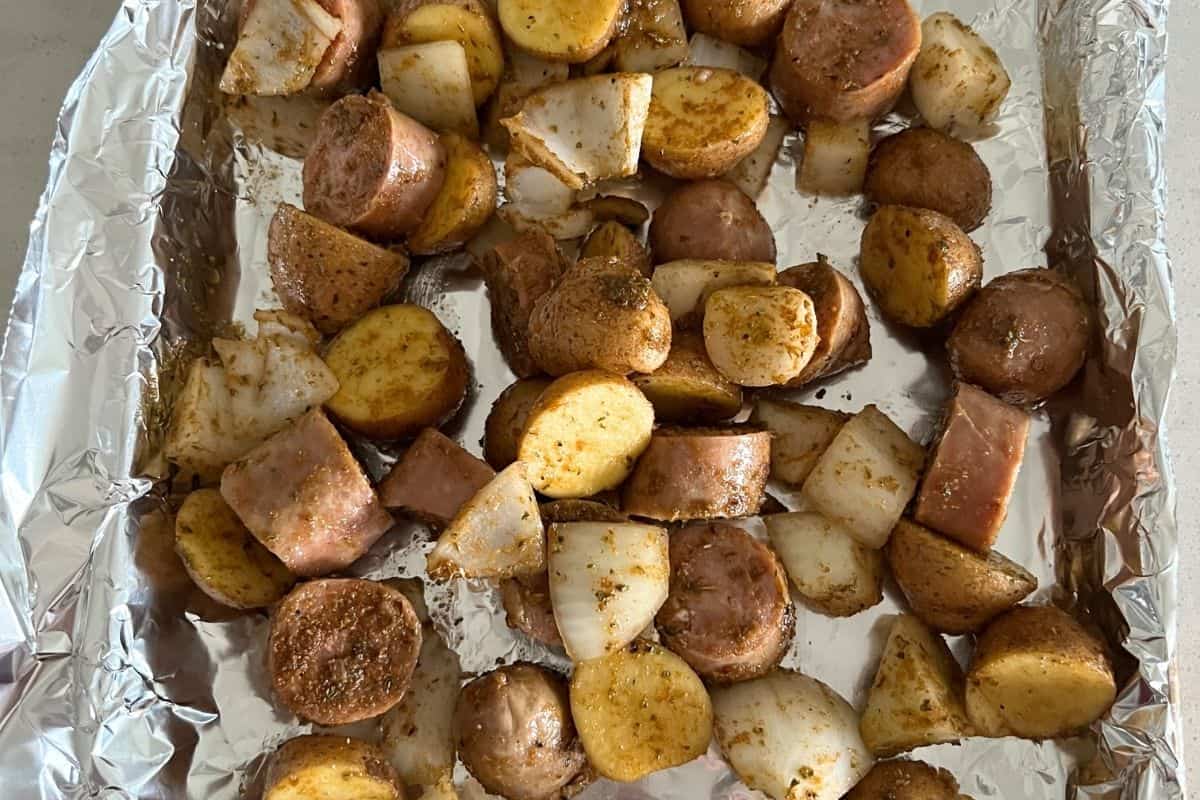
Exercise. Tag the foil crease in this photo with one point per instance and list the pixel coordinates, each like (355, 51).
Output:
(120, 680)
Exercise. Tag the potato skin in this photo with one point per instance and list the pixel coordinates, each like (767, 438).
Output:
(611, 239)
(952, 588)
(924, 168)
(905, 780)
(357, 759)
(515, 734)
(842, 324)
(710, 219)
(465, 202)
(742, 22)
(918, 265)
(602, 314)
(1023, 337)
(687, 387)
(506, 420)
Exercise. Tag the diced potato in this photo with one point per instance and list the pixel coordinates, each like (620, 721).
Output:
(703, 120)
(279, 48)
(1038, 674)
(400, 371)
(866, 476)
(613, 240)
(790, 736)
(639, 710)
(584, 130)
(506, 420)
(760, 335)
(654, 37)
(431, 83)
(330, 768)
(560, 31)
(752, 172)
(496, 534)
(467, 22)
(957, 81)
(687, 387)
(836, 574)
(607, 581)
(835, 157)
(917, 696)
(799, 433)
(584, 434)
(707, 51)
(465, 202)
(686, 285)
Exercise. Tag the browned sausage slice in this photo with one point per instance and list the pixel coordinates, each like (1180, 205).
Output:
(728, 613)
(434, 478)
(842, 324)
(974, 468)
(699, 473)
(372, 168)
(341, 650)
(302, 494)
(844, 59)
(518, 273)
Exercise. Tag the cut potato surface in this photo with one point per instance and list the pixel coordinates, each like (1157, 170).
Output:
(607, 581)
(639, 710)
(584, 434)
(560, 31)
(799, 433)
(496, 534)
(702, 121)
(685, 285)
(223, 558)
(835, 157)
(687, 387)
(831, 570)
(330, 768)
(866, 476)
(917, 696)
(400, 371)
(612, 239)
(906, 780)
(465, 202)
(467, 22)
(430, 82)
(957, 81)
(1038, 674)
(760, 335)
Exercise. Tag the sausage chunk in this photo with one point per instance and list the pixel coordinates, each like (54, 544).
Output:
(341, 650)
(302, 494)
(371, 168)
(974, 468)
(710, 219)
(699, 473)
(843, 61)
(1023, 337)
(728, 612)
(515, 734)
(842, 324)
(434, 478)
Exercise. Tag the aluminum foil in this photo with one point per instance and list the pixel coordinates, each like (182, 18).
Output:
(120, 680)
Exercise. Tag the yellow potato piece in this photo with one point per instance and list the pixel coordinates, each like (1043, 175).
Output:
(560, 30)
(330, 768)
(465, 202)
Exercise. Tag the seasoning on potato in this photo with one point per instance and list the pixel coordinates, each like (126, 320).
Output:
(918, 265)
(685, 285)
(906, 780)
(557, 30)
(330, 766)
(710, 219)
(465, 202)
(744, 22)
(760, 335)
(611, 239)
(687, 387)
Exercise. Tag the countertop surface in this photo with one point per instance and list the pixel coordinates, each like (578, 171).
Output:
(43, 45)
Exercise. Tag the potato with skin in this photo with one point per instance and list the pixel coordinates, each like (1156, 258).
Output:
(315, 766)
(925, 168)
(799, 434)
(584, 434)
(400, 371)
(760, 335)
(703, 121)
(558, 31)
(1038, 674)
(744, 22)
(842, 324)
(468, 22)
(506, 420)
(906, 780)
(611, 239)
(463, 205)
(518, 272)
(687, 387)
(918, 265)
(602, 314)
(710, 219)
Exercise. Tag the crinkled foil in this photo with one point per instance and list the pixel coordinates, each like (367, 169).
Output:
(119, 680)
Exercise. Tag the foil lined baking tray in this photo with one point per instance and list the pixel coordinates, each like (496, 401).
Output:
(118, 680)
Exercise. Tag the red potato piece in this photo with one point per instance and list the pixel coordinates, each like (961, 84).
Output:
(342, 650)
(842, 324)
(371, 168)
(518, 273)
(843, 61)
(434, 478)
(710, 220)
(302, 494)
(728, 613)
(974, 468)
(699, 473)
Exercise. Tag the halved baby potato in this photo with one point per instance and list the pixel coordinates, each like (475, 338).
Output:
(468, 22)
(223, 558)
(612, 239)
(560, 30)
(703, 121)
(400, 370)
(465, 202)
(331, 768)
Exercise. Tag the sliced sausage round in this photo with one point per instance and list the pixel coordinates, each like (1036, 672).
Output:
(728, 612)
(372, 168)
(844, 60)
(342, 649)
